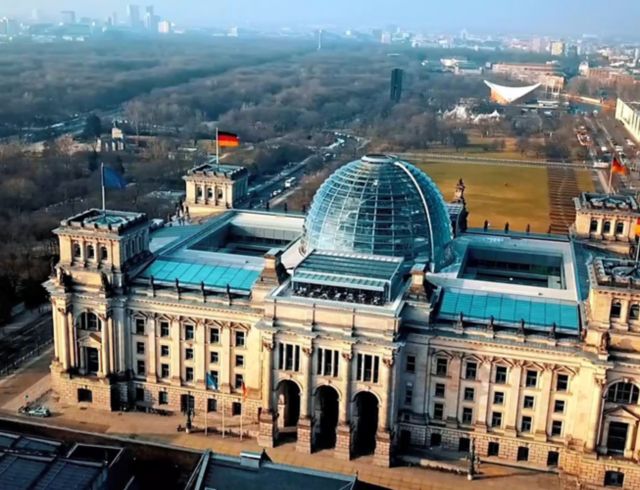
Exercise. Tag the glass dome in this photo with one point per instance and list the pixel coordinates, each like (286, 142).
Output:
(379, 205)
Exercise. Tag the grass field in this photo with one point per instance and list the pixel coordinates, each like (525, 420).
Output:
(498, 193)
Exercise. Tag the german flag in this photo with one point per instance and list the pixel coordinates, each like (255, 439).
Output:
(227, 140)
(617, 167)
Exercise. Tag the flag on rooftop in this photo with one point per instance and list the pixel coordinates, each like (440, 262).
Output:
(617, 167)
(226, 139)
(112, 179)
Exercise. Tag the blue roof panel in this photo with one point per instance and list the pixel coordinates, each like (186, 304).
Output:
(510, 309)
(214, 276)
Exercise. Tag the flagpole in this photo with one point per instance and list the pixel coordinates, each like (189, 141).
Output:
(241, 415)
(102, 184)
(223, 417)
(206, 415)
(217, 149)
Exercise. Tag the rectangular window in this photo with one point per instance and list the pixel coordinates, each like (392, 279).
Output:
(467, 416)
(163, 398)
(188, 374)
(496, 419)
(528, 402)
(140, 326)
(501, 375)
(469, 394)
(498, 398)
(327, 362)
(139, 394)
(526, 424)
(214, 378)
(164, 329)
(164, 370)
(213, 358)
(531, 381)
(470, 371)
(368, 367)
(239, 338)
(239, 381)
(438, 411)
(493, 449)
(212, 405)
(562, 382)
(141, 368)
(523, 453)
(408, 393)
(558, 406)
(440, 390)
(556, 428)
(441, 366)
(164, 351)
(214, 336)
(236, 408)
(188, 332)
(288, 357)
(188, 354)
(239, 361)
(411, 364)
(140, 347)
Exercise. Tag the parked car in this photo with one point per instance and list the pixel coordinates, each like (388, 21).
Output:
(35, 411)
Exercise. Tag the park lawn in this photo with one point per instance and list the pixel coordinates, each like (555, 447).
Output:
(500, 194)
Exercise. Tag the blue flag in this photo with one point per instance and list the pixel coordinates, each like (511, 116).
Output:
(112, 179)
(212, 382)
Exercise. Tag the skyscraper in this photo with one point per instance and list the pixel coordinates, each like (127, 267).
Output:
(68, 16)
(396, 85)
(133, 14)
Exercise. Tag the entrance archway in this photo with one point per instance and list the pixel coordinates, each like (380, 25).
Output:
(288, 408)
(326, 417)
(366, 423)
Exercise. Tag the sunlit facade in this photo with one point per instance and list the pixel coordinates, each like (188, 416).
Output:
(331, 331)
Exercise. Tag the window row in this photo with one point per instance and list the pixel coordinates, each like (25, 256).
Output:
(607, 226)
(188, 332)
(500, 374)
(616, 311)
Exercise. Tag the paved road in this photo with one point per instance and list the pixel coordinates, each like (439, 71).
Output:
(463, 158)
(29, 335)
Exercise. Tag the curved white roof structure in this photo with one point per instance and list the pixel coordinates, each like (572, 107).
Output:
(508, 95)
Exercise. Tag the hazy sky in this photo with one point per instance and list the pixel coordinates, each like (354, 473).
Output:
(544, 16)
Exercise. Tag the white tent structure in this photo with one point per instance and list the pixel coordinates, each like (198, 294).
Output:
(508, 95)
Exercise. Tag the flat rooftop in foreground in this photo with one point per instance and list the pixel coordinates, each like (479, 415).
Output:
(512, 280)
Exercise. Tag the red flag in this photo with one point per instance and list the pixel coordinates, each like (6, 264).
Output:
(228, 139)
(244, 391)
(617, 167)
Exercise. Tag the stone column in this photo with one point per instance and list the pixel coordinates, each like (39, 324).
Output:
(343, 431)
(64, 349)
(176, 355)
(513, 399)
(631, 438)
(112, 343)
(200, 355)
(484, 377)
(225, 359)
(452, 393)
(382, 454)
(267, 425)
(71, 341)
(304, 442)
(542, 405)
(152, 372)
(595, 429)
(104, 347)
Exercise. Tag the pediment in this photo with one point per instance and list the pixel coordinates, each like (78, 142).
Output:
(621, 411)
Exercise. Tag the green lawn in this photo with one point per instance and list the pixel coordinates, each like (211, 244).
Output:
(519, 195)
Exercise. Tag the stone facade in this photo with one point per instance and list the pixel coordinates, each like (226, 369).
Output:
(358, 379)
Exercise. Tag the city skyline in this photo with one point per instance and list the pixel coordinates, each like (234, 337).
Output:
(571, 17)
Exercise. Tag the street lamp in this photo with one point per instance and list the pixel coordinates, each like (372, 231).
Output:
(471, 472)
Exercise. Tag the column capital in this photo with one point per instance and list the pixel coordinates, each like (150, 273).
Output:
(268, 345)
(308, 351)
(347, 356)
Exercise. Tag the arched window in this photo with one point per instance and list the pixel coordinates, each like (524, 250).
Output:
(89, 321)
(626, 393)
(619, 227)
(616, 309)
(634, 311)
(593, 228)
(607, 227)
(104, 254)
(77, 250)
(91, 252)
(209, 192)
(198, 191)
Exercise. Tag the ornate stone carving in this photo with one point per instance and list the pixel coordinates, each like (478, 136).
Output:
(268, 345)
(308, 351)
(388, 361)
(347, 356)
(605, 342)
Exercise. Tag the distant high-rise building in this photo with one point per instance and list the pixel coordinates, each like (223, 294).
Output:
(35, 15)
(385, 38)
(319, 39)
(114, 18)
(164, 27)
(557, 48)
(9, 27)
(151, 20)
(537, 46)
(396, 84)
(133, 14)
(68, 16)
